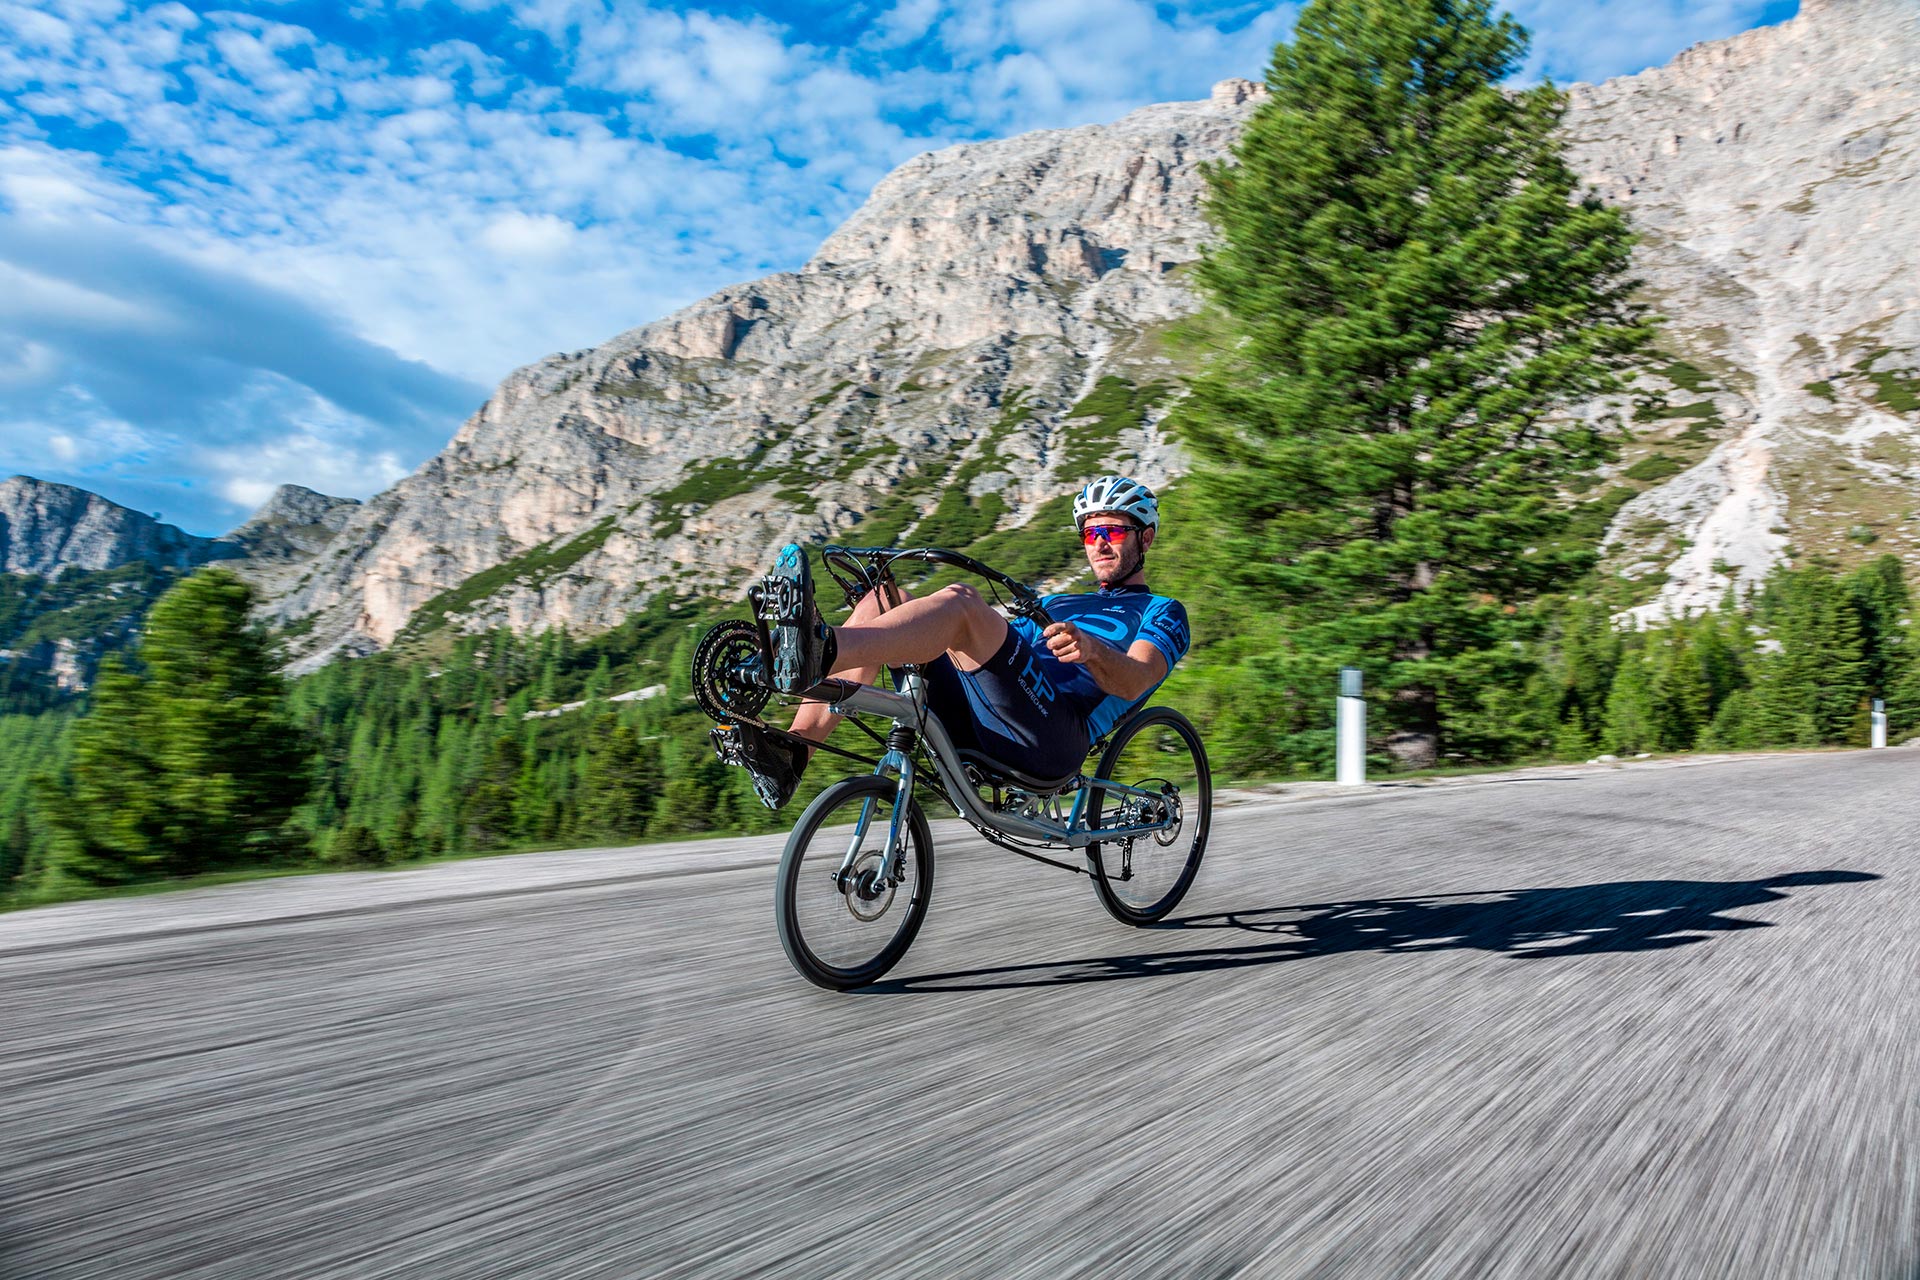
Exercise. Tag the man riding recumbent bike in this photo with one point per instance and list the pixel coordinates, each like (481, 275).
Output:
(996, 714)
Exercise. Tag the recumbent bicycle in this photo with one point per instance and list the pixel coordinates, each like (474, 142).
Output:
(857, 874)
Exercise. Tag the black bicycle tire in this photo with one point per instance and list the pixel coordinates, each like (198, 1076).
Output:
(1122, 911)
(786, 910)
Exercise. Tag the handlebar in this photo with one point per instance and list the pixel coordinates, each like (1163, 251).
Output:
(857, 578)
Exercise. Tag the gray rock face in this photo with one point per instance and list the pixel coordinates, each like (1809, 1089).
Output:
(957, 319)
(946, 334)
(1775, 178)
(294, 524)
(46, 527)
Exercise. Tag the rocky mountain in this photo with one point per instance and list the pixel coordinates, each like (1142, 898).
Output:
(940, 341)
(83, 572)
(46, 527)
(989, 329)
(1775, 180)
(295, 524)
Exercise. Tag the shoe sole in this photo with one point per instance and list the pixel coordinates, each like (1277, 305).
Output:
(733, 748)
(785, 601)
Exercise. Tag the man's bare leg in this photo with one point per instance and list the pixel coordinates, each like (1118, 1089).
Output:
(813, 721)
(954, 620)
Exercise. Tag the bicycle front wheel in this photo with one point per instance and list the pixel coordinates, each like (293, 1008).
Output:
(1159, 754)
(840, 924)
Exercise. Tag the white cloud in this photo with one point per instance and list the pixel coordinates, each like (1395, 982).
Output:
(428, 200)
(906, 22)
(332, 456)
(246, 492)
(43, 185)
(1027, 64)
(36, 30)
(116, 333)
(30, 364)
(691, 73)
(522, 235)
(31, 298)
(487, 74)
(78, 432)
(44, 195)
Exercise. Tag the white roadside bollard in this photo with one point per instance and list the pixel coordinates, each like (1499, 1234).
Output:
(1879, 722)
(1350, 739)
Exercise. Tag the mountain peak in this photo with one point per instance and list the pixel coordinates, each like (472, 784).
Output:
(46, 527)
(292, 524)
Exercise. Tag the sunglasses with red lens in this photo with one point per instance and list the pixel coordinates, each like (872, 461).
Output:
(1106, 533)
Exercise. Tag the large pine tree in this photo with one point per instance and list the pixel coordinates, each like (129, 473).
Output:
(189, 764)
(1408, 293)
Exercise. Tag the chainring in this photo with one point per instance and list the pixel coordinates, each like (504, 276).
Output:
(717, 660)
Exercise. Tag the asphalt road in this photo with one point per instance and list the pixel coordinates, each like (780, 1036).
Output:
(1635, 1023)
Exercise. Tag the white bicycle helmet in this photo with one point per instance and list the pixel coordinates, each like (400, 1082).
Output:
(1117, 493)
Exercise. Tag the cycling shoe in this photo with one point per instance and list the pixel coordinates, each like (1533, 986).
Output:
(802, 641)
(775, 766)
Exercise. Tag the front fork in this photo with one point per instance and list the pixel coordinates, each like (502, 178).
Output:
(898, 761)
(900, 764)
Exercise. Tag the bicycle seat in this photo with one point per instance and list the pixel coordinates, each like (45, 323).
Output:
(1006, 773)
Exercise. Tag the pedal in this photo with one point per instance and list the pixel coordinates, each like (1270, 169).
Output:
(727, 744)
(735, 745)
(774, 598)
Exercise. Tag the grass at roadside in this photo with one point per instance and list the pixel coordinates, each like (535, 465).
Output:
(54, 896)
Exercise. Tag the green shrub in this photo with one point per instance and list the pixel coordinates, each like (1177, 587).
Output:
(1688, 377)
(1590, 519)
(1654, 467)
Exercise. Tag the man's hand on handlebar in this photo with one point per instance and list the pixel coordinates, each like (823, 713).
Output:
(1126, 675)
(1066, 642)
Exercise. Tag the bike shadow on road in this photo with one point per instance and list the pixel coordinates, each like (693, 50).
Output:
(1523, 924)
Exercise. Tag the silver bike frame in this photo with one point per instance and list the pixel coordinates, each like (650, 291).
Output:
(906, 707)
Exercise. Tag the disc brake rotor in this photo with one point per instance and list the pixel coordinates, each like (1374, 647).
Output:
(1171, 813)
(1147, 811)
(867, 897)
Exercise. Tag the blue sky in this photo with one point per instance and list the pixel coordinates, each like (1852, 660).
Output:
(252, 243)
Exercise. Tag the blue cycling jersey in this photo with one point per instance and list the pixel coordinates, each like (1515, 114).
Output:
(1119, 616)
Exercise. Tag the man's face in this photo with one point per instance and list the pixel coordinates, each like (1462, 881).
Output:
(1119, 559)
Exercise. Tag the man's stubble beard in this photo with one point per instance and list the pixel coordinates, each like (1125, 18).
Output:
(1127, 567)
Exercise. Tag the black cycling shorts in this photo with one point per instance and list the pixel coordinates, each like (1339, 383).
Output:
(997, 710)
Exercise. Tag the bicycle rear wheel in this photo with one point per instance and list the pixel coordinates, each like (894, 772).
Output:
(839, 931)
(1139, 880)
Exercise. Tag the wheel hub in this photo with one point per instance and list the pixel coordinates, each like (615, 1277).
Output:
(1154, 811)
(865, 889)
(1170, 813)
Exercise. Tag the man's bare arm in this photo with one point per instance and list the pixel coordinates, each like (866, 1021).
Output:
(1124, 675)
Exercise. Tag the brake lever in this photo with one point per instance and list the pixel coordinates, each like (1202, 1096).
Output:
(1026, 603)
(853, 575)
